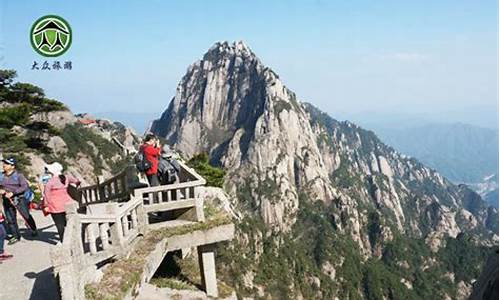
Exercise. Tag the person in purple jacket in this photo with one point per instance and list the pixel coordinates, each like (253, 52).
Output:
(12, 188)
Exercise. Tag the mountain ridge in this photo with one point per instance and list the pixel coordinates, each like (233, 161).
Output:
(279, 152)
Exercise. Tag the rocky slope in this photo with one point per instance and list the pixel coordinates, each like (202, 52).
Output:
(282, 156)
(38, 130)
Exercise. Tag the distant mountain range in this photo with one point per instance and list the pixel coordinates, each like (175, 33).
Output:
(462, 153)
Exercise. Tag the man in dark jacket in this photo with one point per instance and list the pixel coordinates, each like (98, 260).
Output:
(13, 185)
(168, 167)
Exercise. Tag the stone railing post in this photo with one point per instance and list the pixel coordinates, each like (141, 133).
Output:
(200, 214)
(206, 260)
(100, 189)
(76, 232)
(68, 259)
(142, 216)
(117, 237)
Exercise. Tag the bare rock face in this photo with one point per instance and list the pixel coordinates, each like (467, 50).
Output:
(58, 119)
(217, 198)
(230, 99)
(57, 144)
(82, 168)
(276, 150)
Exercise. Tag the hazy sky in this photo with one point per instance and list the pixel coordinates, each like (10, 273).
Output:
(436, 59)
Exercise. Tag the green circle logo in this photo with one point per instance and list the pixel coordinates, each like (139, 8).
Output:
(50, 36)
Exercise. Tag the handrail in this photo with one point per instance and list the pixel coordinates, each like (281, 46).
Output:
(164, 188)
(109, 227)
(116, 188)
(119, 187)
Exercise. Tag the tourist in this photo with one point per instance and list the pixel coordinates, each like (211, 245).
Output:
(3, 235)
(151, 149)
(55, 196)
(168, 167)
(13, 188)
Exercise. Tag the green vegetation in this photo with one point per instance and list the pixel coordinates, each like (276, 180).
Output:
(172, 283)
(22, 133)
(289, 262)
(462, 257)
(180, 273)
(124, 275)
(80, 139)
(213, 175)
(18, 132)
(280, 105)
(342, 176)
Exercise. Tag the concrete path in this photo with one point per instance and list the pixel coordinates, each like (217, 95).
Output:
(28, 275)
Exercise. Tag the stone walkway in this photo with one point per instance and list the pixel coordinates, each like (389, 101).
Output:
(28, 275)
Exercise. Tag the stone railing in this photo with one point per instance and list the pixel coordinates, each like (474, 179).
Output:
(115, 214)
(117, 188)
(175, 196)
(110, 225)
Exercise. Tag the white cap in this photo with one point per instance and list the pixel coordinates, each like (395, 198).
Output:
(54, 168)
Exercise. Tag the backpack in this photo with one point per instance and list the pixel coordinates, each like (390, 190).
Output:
(166, 172)
(28, 194)
(141, 162)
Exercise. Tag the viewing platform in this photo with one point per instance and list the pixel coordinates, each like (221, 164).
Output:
(120, 230)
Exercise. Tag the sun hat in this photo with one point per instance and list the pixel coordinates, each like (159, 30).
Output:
(54, 168)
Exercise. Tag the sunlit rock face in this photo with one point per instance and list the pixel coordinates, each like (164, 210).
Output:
(277, 149)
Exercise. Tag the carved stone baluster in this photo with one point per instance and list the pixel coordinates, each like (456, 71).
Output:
(103, 231)
(116, 229)
(115, 187)
(134, 217)
(91, 230)
(125, 225)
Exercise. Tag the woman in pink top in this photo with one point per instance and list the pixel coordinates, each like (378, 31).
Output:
(55, 196)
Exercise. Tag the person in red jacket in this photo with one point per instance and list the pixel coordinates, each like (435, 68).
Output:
(152, 150)
(55, 196)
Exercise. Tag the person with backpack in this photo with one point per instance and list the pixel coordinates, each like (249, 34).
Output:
(16, 195)
(168, 167)
(151, 152)
(55, 196)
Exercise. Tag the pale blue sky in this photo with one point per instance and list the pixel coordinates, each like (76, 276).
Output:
(436, 59)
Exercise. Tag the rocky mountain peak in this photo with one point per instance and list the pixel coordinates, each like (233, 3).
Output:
(225, 49)
(291, 169)
(276, 148)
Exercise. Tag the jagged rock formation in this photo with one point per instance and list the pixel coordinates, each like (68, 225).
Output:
(36, 130)
(277, 150)
(230, 105)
